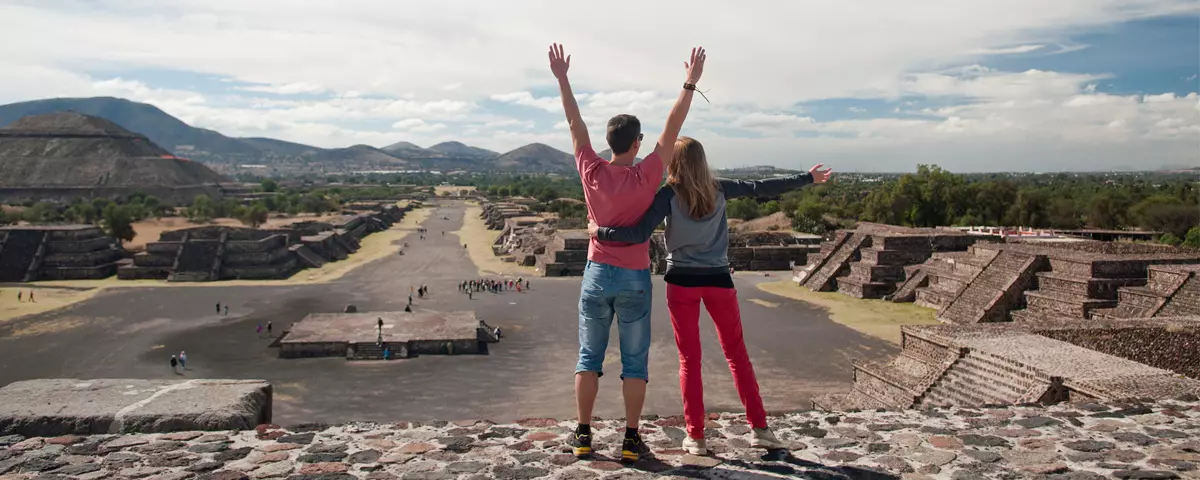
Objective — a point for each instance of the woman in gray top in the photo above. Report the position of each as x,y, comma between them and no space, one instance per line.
697,235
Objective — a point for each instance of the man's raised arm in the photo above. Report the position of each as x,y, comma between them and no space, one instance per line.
559,65
666,142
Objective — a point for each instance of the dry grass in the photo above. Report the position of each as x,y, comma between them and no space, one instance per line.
479,246
47,299
876,318
761,224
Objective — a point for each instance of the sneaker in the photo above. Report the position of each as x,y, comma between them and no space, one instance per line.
694,446
581,443
765,438
632,449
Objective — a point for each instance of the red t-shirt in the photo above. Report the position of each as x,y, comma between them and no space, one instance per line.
618,196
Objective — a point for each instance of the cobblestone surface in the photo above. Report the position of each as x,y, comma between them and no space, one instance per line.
1099,441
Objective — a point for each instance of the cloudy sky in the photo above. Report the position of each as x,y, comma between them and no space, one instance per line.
972,85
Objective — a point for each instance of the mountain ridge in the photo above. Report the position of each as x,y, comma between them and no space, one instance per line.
210,146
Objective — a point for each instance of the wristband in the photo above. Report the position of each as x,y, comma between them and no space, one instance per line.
689,86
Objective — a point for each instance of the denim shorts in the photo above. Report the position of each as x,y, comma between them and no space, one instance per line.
625,293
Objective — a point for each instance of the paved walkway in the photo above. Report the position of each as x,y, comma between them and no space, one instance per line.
131,333
1088,441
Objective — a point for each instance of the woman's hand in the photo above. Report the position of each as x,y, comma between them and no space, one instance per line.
818,175
593,229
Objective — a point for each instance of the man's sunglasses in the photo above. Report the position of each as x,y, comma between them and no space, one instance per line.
640,135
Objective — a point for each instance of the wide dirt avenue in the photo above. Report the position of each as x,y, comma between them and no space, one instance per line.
131,332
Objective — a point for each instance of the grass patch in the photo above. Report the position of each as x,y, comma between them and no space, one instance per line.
479,242
876,318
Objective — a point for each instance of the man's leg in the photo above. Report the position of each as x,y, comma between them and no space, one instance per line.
632,307
595,321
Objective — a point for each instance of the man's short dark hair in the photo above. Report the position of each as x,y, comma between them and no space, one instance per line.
623,130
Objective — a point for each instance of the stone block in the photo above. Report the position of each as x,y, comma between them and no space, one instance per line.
51,407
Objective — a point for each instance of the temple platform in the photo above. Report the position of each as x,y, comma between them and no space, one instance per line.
357,336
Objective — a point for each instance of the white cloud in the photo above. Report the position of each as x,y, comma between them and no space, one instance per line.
1007,50
440,62
285,89
416,125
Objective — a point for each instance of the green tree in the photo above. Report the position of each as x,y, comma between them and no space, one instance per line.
118,222
1166,214
1193,237
809,217
1170,239
768,208
201,209
743,208
269,185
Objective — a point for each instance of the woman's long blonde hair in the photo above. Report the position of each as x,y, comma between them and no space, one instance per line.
689,176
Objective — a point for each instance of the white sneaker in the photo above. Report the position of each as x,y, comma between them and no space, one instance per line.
695,447
765,438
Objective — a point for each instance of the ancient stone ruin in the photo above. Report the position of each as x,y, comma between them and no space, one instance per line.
219,253
58,252
67,155
1046,361
996,282
358,335
495,214
871,260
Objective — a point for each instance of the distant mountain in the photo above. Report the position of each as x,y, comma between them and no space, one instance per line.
461,150
536,157
407,150
162,129
212,147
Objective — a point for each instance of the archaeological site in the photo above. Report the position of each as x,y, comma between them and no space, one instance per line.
1025,322
67,155
61,252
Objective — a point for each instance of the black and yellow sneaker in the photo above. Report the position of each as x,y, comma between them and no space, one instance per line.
632,449
581,443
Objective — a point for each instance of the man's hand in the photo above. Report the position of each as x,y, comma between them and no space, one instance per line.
695,67
818,175
558,62
593,229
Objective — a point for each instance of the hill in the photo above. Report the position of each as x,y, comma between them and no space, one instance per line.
461,150
176,136
66,155
161,128
536,157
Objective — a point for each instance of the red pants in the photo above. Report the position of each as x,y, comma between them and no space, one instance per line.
722,306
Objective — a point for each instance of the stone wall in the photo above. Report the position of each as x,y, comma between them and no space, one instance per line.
63,252
1173,347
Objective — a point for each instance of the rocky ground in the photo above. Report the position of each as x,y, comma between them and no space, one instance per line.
1084,441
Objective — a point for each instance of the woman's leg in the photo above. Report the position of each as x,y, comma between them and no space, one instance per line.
684,305
722,305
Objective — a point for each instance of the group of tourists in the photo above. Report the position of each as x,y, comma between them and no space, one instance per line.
179,363
625,205
21,296
493,285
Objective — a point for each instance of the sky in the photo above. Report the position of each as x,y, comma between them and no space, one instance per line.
869,86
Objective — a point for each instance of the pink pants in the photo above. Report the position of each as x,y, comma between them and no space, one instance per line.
722,306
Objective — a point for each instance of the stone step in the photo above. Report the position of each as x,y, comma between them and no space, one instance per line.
1026,316
1142,297
1056,302
995,379
933,298
1164,279
856,288
1100,288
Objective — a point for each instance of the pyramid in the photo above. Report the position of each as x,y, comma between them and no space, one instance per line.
65,155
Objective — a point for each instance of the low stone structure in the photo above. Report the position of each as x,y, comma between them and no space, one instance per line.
768,251
565,254
870,261
52,407
1085,441
218,253
494,214
1048,361
993,282
357,336
1170,290
56,252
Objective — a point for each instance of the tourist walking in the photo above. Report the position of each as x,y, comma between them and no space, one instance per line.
408,308
697,236
218,308
19,293
182,360
258,330
174,365
31,300
268,328
617,192
226,309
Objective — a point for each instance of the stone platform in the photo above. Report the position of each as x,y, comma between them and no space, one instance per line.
1083,441
358,336
71,406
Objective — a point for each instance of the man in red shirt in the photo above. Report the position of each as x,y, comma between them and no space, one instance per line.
616,281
